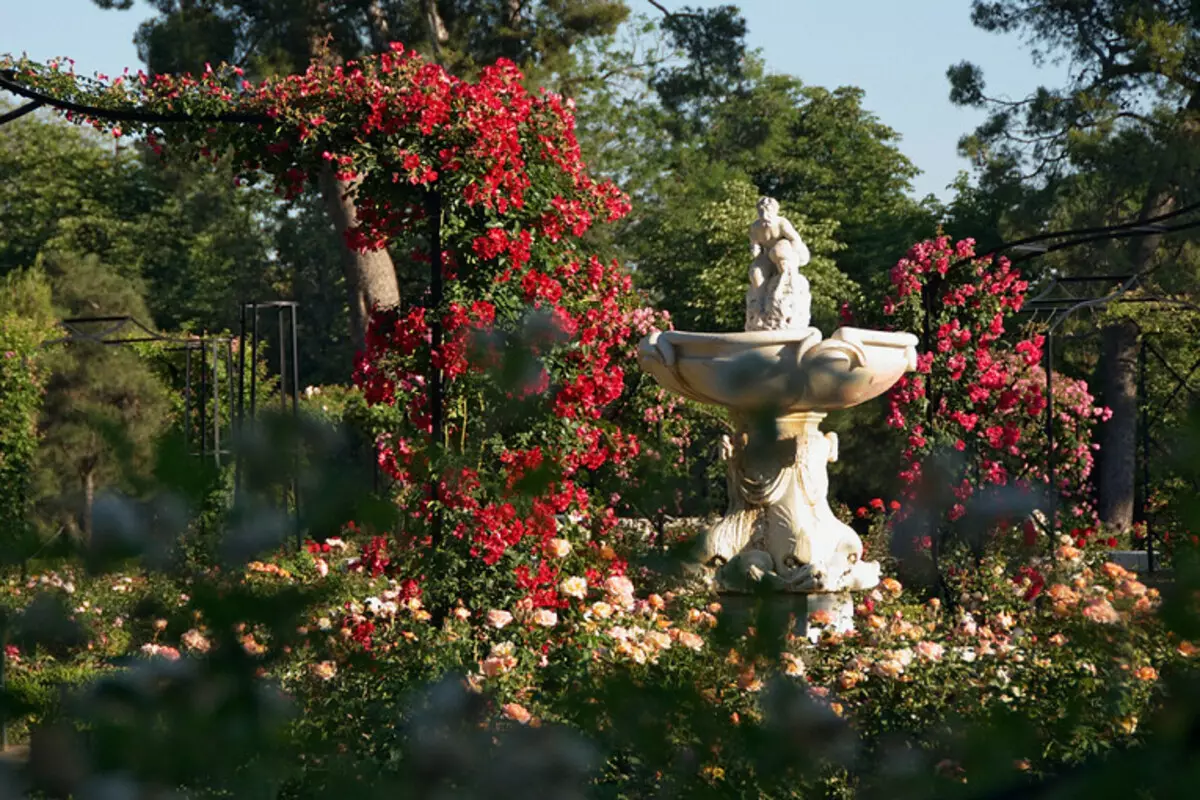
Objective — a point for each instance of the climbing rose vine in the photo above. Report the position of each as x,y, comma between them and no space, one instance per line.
979,390
534,330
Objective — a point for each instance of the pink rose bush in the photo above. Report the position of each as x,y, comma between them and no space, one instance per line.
979,391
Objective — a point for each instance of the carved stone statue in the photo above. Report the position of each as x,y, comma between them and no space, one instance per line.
778,298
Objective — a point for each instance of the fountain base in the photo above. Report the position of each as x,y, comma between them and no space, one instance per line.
779,530
807,615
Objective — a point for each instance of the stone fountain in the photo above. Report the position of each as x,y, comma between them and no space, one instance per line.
779,379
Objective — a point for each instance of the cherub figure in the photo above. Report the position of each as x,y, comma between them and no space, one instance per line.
778,297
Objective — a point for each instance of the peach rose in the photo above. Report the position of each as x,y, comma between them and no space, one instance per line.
1102,612
930,651
517,712
558,548
497,618
1146,673
324,670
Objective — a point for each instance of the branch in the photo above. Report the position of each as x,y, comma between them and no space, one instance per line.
669,13
8,82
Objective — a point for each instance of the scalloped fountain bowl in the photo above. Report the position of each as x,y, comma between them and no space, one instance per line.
784,372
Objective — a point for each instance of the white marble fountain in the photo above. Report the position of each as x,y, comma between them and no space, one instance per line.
779,379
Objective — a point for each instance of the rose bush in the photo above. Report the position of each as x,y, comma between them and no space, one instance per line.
529,334
507,567
980,391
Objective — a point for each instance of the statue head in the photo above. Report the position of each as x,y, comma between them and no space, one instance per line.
768,207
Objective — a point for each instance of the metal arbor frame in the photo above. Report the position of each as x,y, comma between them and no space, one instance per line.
1062,300
209,350
431,198
1150,414
203,356
1063,308
250,338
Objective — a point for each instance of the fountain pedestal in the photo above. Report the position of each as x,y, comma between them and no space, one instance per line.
779,527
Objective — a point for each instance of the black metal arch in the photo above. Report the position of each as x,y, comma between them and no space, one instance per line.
1061,308
209,350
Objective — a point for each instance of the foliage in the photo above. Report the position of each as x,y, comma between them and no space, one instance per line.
182,232
1116,142
815,150
286,658
461,34
25,325
696,265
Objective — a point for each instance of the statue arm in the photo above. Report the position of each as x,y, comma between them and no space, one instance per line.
789,232
832,438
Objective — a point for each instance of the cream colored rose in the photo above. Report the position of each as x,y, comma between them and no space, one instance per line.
574,586
602,610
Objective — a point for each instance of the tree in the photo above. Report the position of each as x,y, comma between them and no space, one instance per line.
59,187
104,407
1121,138
725,117
201,243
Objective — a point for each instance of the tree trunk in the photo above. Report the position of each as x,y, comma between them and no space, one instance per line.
370,277
1118,443
436,27
513,15
377,27
89,502
1119,364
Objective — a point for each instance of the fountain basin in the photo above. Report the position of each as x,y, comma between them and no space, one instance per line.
783,372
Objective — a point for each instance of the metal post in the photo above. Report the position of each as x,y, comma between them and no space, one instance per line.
254,363
187,399
1051,465
203,405
216,393
282,364
295,365
296,419
1145,437
433,210
232,398
241,404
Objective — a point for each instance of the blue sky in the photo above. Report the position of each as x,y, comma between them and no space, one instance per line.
896,50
